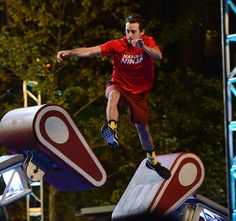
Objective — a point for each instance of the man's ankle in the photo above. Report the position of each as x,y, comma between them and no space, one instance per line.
112,124
151,157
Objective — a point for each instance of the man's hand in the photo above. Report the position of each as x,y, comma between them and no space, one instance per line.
138,43
62,54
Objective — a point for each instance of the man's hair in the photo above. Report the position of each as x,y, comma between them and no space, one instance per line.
135,18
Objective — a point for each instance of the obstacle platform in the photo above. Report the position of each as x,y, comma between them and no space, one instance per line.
148,193
49,138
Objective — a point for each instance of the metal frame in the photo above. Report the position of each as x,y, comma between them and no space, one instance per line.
201,208
228,9
201,212
27,93
14,181
33,211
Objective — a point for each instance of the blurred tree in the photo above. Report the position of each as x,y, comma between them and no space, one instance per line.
186,103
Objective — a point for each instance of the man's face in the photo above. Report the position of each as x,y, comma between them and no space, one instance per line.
132,31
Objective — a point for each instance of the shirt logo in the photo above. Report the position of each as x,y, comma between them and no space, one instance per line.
132,59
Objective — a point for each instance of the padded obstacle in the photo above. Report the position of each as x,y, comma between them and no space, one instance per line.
148,193
48,134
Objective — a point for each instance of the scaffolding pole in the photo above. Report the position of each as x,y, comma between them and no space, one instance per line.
34,201
228,10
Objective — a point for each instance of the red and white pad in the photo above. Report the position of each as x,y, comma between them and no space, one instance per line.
149,193
49,131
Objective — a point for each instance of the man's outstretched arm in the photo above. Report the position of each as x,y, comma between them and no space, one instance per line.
79,52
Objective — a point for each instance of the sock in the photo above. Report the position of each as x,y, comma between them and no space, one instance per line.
112,124
152,158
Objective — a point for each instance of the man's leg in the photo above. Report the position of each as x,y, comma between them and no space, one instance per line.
109,130
112,102
147,144
145,137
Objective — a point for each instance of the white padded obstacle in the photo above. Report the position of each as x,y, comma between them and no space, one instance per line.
57,146
149,193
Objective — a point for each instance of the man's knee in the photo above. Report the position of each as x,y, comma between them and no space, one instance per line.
114,95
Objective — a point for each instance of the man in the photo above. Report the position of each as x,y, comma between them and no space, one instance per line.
132,80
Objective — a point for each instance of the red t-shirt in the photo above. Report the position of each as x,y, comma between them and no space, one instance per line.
133,69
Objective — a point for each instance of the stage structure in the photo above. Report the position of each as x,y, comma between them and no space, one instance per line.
45,143
228,34
36,197
28,92
14,183
173,199
53,146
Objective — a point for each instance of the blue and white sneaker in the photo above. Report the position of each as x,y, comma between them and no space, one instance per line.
110,136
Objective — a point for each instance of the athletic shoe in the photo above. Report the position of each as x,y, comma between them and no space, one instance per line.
162,171
110,136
